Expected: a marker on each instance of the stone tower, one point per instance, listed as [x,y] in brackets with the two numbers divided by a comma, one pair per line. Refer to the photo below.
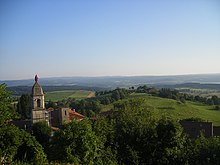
[39,112]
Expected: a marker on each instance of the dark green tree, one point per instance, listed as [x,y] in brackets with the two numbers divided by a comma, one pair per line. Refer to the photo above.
[216,100]
[169,142]
[132,123]
[18,145]
[116,95]
[10,140]
[204,151]
[51,104]
[104,130]
[42,133]
[24,106]
[6,110]
[76,143]
[30,151]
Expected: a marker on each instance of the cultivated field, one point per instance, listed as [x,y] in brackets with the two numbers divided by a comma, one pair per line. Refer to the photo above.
[60,95]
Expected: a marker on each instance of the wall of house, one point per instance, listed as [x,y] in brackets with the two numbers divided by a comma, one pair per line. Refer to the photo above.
[194,129]
[216,130]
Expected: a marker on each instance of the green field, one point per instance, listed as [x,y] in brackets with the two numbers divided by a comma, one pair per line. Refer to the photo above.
[177,110]
[60,95]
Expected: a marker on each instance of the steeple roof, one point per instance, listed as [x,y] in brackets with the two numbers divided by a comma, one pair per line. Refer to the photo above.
[36,89]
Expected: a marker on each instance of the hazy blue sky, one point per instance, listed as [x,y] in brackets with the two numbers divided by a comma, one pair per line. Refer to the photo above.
[108,37]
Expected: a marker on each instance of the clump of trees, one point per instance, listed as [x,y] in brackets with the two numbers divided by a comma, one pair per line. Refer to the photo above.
[86,107]
[108,97]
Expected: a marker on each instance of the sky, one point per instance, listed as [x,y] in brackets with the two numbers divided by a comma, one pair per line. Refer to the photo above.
[57,38]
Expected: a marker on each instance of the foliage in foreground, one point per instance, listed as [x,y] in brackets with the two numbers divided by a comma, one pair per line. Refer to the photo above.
[18,145]
[76,143]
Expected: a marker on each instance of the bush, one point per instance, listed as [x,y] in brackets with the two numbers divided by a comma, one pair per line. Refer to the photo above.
[217,107]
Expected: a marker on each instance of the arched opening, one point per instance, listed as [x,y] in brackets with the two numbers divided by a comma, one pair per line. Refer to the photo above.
[38,103]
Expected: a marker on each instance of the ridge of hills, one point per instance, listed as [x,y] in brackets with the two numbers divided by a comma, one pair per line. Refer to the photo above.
[119,81]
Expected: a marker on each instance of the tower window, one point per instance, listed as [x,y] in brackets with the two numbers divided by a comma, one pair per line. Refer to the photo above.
[65,113]
[38,103]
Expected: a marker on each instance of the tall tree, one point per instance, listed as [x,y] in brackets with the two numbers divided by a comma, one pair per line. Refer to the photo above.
[42,133]
[6,111]
[24,106]
[76,143]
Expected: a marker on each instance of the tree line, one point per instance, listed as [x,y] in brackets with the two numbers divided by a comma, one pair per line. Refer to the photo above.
[176,95]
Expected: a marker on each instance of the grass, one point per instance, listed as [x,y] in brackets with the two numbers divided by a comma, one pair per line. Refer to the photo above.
[60,95]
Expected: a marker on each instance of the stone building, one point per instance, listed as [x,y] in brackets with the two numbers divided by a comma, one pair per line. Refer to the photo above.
[61,116]
[38,112]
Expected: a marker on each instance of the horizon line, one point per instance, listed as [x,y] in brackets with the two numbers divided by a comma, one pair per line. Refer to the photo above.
[155,75]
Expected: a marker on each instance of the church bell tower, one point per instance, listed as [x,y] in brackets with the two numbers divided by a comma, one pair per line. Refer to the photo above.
[39,112]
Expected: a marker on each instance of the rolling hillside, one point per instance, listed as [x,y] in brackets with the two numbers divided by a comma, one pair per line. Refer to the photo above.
[177,110]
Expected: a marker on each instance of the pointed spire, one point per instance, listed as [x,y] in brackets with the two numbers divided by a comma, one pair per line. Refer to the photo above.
[36,78]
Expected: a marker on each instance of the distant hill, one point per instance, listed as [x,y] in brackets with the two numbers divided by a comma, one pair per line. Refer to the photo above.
[192,86]
[119,81]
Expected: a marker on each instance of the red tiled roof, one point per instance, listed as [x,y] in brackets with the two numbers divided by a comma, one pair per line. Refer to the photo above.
[50,109]
[55,128]
[75,115]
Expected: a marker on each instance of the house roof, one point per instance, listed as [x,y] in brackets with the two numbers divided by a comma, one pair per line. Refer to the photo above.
[55,128]
[75,115]
[50,109]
